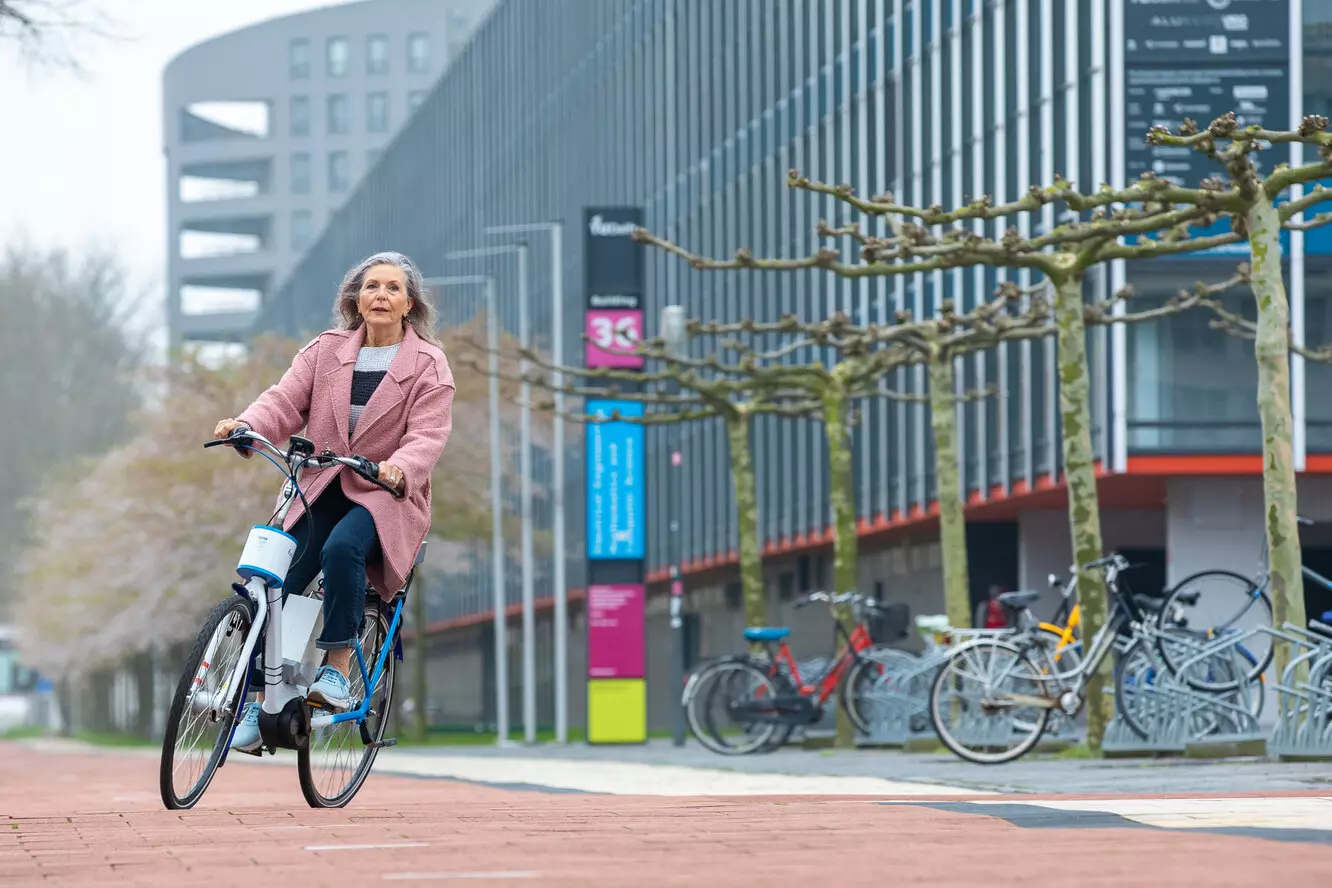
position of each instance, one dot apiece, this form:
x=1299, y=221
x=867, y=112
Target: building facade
x=268, y=130
x=694, y=111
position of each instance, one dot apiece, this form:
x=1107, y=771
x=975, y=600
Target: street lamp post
x=561, y=618
x=498, y=597
x=673, y=333
x=525, y=469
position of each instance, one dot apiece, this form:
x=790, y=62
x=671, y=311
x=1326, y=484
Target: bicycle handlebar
x=243, y=436
x=842, y=598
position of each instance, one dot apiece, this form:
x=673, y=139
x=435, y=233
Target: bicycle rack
x=897, y=706
x=1304, y=708
x=1176, y=716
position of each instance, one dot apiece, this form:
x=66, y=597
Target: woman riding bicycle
x=378, y=385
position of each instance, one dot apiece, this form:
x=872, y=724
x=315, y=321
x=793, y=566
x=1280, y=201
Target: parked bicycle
x=212, y=687
x=764, y=697
x=999, y=722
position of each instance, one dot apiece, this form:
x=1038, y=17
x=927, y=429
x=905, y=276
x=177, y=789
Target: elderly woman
x=379, y=386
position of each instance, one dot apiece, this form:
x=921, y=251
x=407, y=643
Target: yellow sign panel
x=616, y=710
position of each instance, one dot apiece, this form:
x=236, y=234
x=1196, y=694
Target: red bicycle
x=745, y=703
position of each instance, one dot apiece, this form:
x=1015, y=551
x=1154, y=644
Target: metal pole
x=559, y=559
x=557, y=445
x=497, y=525
x=672, y=331
x=529, y=597
x=497, y=561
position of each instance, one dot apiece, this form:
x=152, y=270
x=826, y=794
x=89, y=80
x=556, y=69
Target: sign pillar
x=616, y=484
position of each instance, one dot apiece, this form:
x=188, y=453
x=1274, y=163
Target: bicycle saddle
x=1020, y=599
x=766, y=633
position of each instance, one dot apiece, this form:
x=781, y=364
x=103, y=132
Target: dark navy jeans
x=339, y=537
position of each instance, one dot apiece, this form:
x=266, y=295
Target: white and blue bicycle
x=335, y=750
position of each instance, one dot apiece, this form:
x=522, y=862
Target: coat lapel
x=390, y=391
x=340, y=382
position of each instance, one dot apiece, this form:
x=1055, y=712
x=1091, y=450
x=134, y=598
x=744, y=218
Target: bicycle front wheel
x=334, y=764
x=205, y=707
x=1228, y=604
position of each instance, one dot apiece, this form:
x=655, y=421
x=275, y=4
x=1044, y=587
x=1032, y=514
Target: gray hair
x=421, y=316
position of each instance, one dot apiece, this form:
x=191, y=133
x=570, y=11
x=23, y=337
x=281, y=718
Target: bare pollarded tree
x=1259, y=207
x=1160, y=216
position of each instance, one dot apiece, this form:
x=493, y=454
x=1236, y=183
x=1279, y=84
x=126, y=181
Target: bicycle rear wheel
x=204, y=706
x=971, y=706
x=721, y=684
x=334, y=764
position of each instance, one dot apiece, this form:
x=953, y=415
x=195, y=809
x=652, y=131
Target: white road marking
x=431, y=877
x=365, y=847
x=630, y=778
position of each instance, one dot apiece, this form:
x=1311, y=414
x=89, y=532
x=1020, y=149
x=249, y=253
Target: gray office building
x=694, y=111
x=268, y=130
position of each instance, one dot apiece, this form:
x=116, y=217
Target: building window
x=298, y=57
x=338, y=54
x=302, y=229
x=300, y=173
x=376, y=112
x=415, y=98
x=337, y=114
x=300, y=115
x=418, y=52
x=376, y=54
x=339, y=176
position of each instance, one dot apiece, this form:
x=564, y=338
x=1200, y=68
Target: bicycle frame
x=855, y=642
x=267, y=596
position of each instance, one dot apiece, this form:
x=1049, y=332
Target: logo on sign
x=611, y=336
x=601, y=228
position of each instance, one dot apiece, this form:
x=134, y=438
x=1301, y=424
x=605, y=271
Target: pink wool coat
x=406, y=422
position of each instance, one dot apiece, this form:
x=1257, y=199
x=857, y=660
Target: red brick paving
x=78, y=819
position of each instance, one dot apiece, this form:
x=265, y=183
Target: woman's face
x=383, y=300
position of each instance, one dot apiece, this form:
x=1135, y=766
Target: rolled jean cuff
x=335, y=645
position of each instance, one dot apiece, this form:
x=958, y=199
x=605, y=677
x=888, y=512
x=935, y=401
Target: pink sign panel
x=615, y=629
x=615, y=329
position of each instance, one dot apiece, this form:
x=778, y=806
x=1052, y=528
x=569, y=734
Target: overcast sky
x=82, y=157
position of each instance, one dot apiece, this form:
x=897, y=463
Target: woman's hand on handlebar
x=391, y=475
x=224, y=429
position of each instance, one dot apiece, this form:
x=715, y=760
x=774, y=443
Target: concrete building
x=693, y=111
x=268, y=130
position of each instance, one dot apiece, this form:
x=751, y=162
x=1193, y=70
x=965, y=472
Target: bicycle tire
x=304, y=766
x=243, y=610
x=1265, y=602
x=1122, y=707
x=954, y=745
x=860, y=670
x=700, y=724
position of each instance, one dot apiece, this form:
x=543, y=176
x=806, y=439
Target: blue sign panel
x=615, y=483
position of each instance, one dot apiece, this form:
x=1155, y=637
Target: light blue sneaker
x=246, y=738
x=330, y=690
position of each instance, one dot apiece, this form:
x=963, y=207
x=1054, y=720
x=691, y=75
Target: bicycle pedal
x=380, y=744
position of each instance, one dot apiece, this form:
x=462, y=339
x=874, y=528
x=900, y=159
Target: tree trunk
x=746, y=517
x=144, y=676
x=952, y=521
x=1272, y=352
x=841, y=495
x=1084, y=514
x=420, y=694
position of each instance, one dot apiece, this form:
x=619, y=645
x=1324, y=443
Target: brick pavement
x=83, y=819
